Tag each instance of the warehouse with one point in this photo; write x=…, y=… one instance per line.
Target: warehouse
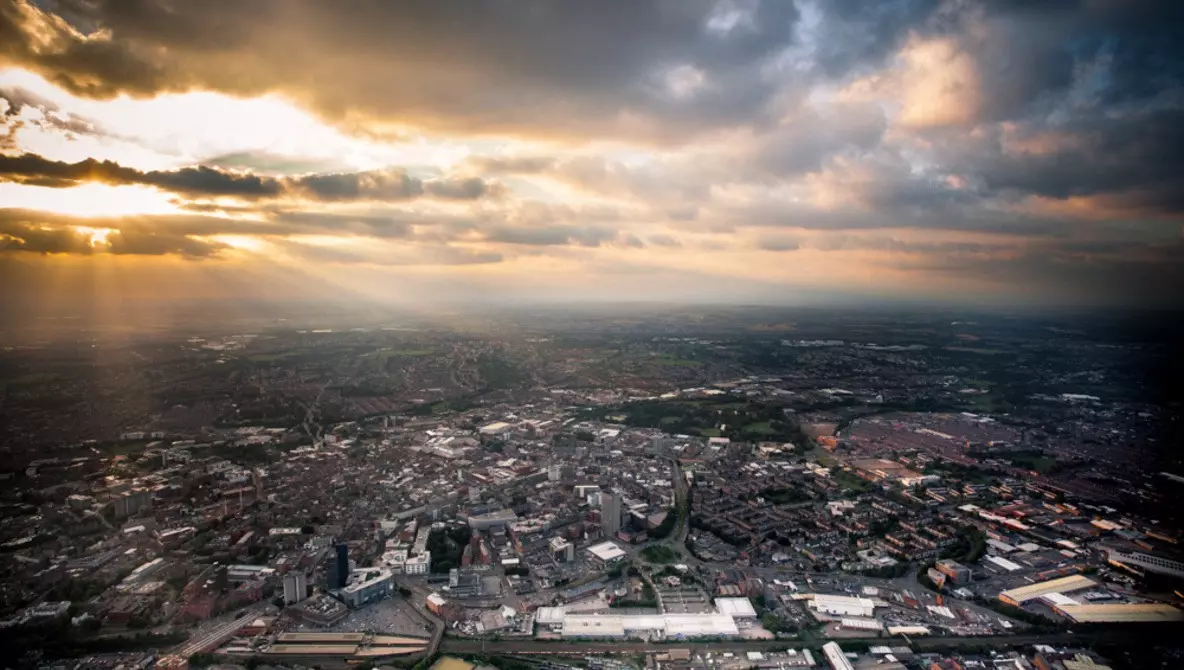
x=1120, y=612
x=843, y=605
x=1018, y=597
x=1002, y=564
x=737, y=608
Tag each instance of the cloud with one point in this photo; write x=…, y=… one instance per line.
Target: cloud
x=585, y=236
x=130, y=240
x=378, y=185
x=497, y=66
x=778, y=243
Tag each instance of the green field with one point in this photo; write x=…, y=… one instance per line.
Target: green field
x=1041, y=464
x=760, y=428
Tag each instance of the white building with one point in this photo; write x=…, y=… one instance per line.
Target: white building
x=835, y=657
x=606, y=553
x=737, y=608
x=843, y=605
x=418, y=565
x=495, y=428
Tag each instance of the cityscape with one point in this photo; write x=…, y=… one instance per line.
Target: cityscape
x=591, y=335
x=701, y=487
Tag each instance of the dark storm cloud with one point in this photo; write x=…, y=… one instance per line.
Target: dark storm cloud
x=1138, y=157
x=499, y=64
x=203, y=181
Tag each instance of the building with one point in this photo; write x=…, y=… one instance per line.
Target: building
x=338, y=568
x=843, y=605
x=368, y=585
x=562, y=550
x=495, y=428
x=1145, y=562
x=418, y=565
x=606, y=554
x=955, y=571
x=295, y=587
x=1018, y=597
x=130, y=503
x=835, y=657
x=237, y=574
x=495, y=519
x=435, y=603
x=737, y=608
x=610, y=513
x=1119, y=612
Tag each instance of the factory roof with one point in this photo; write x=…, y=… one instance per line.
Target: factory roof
x=1121, y=612
x=1061, y=585
x=735, y=607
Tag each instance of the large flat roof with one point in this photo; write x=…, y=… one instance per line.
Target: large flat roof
x=309, y=649
x=1060, y=585
x=319, y=637
x=1121, y=612
x=735, y=607
x=606, y=551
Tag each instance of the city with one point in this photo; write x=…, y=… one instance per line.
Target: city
x=591, y=335
x=761, y=486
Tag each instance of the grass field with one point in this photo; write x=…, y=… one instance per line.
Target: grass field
x=760, y=428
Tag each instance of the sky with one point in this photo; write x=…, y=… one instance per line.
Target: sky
x=1003, y=152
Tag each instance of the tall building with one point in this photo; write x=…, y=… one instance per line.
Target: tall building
x=338, y=568
x=295, y=587
x=610, y=513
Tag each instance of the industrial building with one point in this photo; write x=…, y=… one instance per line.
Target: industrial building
x=843, y=605
x=954, y=571
x=1145, y=562
x=1018, y=597
x=1119, y=612
x=835, y=657
x=721, y=623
